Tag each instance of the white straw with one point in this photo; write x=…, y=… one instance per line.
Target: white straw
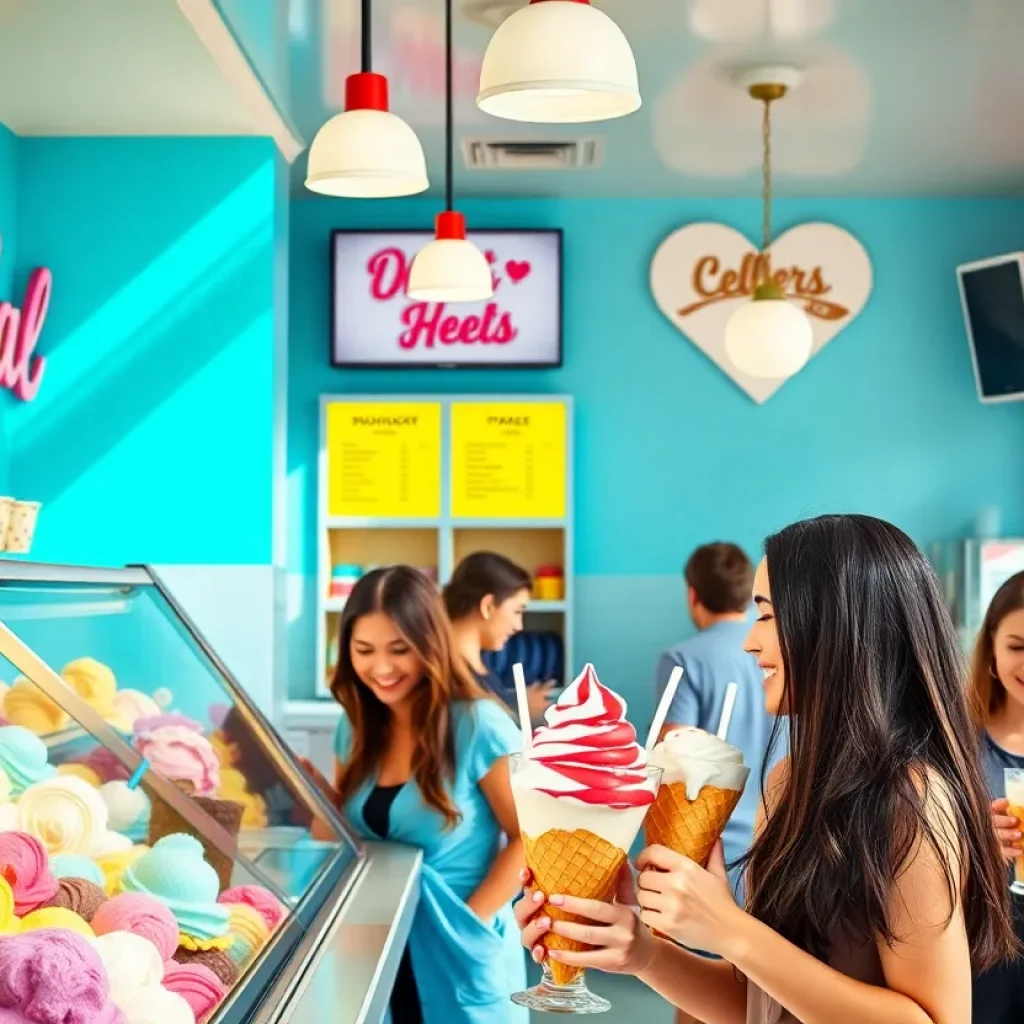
x=525, y=725
x=666, y=702
x=730, y=703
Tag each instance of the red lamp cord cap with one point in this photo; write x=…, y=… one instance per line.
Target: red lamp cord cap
x=450, y=225
x=366, y=90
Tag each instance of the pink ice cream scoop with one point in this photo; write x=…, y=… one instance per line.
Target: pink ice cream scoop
x=181, y=754
x=263, y=901
x=25, y=865
x=53, y=977
x=147, y=726
x=197, y=985
x=107, y=766
x=141, y=915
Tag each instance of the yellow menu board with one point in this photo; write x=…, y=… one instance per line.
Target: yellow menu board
x=508, y=460
x=384, y=459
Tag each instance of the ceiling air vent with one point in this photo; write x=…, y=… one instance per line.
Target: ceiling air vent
x=490, y=12
x=538, y=155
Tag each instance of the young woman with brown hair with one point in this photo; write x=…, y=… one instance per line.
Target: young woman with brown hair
x=485, y=599
x=997, y=684
x=874, y=880
x=422, y=759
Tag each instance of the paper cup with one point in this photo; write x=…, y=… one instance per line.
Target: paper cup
x=6, y=504
x=21, y=526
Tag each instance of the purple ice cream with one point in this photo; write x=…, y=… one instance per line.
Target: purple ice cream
x=53, y=977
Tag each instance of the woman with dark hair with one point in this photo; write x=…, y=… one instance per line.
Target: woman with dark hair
x=874, y=879
x=422, y=758
x=997, y=684
x=486, y=598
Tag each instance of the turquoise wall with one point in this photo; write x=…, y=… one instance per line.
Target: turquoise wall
x=151, y=437
x=8, y=210
x=669, y=453
x=8, y=238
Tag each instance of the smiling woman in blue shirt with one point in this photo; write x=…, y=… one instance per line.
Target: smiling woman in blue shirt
x=422, y=758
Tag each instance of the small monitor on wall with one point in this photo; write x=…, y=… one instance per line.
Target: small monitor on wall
x=992, y=296
x=375, y=324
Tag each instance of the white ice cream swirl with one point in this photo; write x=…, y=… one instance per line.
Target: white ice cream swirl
x=698, y=759
x=65, y=813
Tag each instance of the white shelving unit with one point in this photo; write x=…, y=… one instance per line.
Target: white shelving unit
x=441, y=543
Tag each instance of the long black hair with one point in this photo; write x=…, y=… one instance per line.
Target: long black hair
x=879, y=724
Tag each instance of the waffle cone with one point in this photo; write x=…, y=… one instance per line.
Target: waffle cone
x=165, y=821
x=576, y=863
x=690, y=827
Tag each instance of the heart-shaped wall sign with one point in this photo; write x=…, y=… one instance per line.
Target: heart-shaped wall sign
x=703, y=272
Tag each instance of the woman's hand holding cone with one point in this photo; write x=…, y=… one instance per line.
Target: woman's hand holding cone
x=1007, y=830
x=690, y=904
x=621, y=945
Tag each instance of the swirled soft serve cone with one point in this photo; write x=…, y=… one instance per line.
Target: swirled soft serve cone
x=581, y=798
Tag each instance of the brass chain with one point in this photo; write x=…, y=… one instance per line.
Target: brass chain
x=766, y=171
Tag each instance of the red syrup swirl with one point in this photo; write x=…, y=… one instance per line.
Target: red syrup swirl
x=588, y=741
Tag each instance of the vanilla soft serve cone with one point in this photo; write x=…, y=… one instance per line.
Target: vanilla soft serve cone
x=702, y=782
x=581, y=798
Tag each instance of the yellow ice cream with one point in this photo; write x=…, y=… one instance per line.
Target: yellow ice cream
x=9, y=924
x=250, y=931
x=233, y=787
x=94, y=682
x=114, y=865
x=81, y=771
x=226, y=751
x=56, y=917
x=26, y=705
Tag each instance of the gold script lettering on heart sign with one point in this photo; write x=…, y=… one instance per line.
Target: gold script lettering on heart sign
x=703, y=272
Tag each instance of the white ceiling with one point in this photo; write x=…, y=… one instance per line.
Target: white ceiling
x=111, y=67
x=898, y=97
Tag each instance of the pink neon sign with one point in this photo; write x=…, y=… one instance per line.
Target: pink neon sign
x=21, y=370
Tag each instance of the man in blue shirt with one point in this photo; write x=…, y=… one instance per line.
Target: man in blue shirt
x=719, y=581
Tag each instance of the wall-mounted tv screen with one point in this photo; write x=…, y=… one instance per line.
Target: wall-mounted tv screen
x=375, y=324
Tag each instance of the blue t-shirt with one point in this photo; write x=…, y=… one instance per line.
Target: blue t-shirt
x=711, y=660
x=466, y=969
x=994, y=759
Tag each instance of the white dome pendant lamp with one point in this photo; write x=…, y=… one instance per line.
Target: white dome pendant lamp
x=450, y=268
x=366, y=152
x=558, y=62
x=769, y=337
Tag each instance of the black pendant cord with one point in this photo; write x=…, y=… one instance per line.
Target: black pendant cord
x=367, y=35
x=449, y=117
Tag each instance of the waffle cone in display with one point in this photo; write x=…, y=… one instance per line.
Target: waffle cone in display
x=165, y=821
x=689, y=827
x=576, y=863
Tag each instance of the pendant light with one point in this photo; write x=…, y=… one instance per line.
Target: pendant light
x=769, y=337
x=450, y=268
x=558, y=62
x=366, y=152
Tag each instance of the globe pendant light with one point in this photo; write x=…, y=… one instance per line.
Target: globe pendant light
x=769, y=337
x=366, y=152
x=558, y=62
x=450, y=268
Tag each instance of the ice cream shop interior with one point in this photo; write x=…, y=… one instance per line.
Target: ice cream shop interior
x=549, y=293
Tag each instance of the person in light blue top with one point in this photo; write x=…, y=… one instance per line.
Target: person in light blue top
x=719, y=581
x=422, y=758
